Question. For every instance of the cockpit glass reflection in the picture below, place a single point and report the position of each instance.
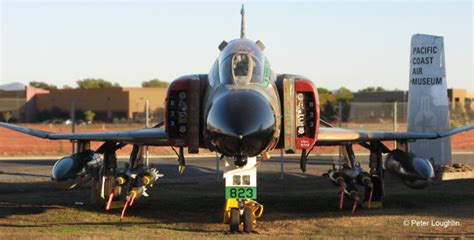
(240, 63)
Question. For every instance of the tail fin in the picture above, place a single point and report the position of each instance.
(428, 107)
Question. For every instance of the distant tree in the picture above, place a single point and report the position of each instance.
(43, 85)
(323, 90)
(344, 95)
(326, 104)
(89, 116)
(380, 89)
(367, 89)
(67, 87)
(89, 83)
(155, 83)
(7, 116)
(325, 96)
(372, 89)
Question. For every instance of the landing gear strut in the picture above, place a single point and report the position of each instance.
(351, 174)
(376, 174)
(103, 180)
(181, 160)
(112, 186)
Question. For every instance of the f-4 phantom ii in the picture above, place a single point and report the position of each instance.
(242, 110)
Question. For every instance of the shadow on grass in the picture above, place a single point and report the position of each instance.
(108, 224)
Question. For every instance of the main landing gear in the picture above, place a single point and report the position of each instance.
(241, 211)
(112, 187)
(350, 175)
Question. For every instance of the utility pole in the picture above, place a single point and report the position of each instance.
(147, 125)
(395, 123)
(395, 116)
(73, 123)
(147, 114)
(340, 125)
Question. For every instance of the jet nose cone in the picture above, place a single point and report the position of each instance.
(241, 123)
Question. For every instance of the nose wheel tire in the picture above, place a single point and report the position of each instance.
(234, 222)
(248, 219)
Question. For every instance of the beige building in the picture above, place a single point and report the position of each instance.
(106, 103)
(462, 97)
(20, 103)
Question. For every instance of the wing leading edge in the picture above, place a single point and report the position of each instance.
(149, 136)
(340, 136)
(157, 136)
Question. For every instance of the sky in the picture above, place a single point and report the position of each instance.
(354, 44)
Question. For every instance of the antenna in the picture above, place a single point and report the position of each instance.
(242, 22)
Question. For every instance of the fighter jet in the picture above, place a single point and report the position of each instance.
(242, 109)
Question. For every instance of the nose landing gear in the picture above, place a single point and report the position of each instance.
(241, 211)
(242, 214)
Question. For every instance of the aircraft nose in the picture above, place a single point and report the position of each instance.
(241, 123)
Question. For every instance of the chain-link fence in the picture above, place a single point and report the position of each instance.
(387, 116)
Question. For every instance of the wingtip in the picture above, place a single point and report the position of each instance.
(456, 130)
(29, 131)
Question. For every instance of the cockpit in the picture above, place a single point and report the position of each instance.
(241, 62)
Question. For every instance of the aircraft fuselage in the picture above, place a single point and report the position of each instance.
(242, 113)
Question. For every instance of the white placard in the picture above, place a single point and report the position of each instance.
(250, 169)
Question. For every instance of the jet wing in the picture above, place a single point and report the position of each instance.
(148, 136)
(340, 136)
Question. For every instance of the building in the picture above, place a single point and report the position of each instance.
(461, 97)
(107, 103)
(20, 103)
